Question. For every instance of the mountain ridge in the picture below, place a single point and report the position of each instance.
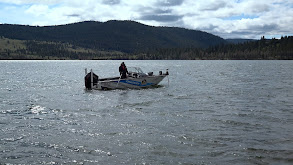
(124, 36)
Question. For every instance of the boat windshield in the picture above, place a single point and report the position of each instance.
(135, 70)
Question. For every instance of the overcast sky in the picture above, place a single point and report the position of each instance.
(224, 18)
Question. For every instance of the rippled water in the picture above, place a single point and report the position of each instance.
(212, 112)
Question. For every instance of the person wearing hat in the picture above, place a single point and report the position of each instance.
(123, 70)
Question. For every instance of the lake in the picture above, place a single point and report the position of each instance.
(210, 112)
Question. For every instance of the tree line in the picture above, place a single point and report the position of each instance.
(263, 49)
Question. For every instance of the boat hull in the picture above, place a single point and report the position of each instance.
(130, 83)
(136, 79)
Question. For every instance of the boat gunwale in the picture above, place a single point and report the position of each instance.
(131, 78)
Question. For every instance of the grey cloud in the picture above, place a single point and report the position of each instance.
(153, 10)
(158, 14)
(161, 11)
(264, 28)
(252, 32)
(111, 2)
(169, 2)
(209, 27)
(257, 8)
(215, 6)
(73, 15)
(161, 18)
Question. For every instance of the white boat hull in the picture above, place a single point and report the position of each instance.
(132, 83)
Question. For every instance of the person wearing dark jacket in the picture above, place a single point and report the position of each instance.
(123, 70)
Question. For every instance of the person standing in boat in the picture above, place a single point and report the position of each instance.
(123, 70)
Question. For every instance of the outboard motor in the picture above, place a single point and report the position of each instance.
(167, 72)
(87, 80)
(151, 73)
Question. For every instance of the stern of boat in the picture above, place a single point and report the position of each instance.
(90, 79)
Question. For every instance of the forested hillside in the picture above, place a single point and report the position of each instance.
(124, 36)
(132, 40)
(30, 49)
(281, 49)
(264, 49)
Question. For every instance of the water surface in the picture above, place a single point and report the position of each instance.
(210, 112)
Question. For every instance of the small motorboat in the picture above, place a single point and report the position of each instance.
(136, 79)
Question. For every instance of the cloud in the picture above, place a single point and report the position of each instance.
(161, 18)
(158, 14)
(38, 10)
(74, 15)
(169, 2)
(226, 18)
(243, 19)
(25, 2)
(111, 2)
(264, 27)
(215, 5)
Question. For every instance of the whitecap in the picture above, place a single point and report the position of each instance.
(37, 109)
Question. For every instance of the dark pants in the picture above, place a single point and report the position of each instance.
(123, 75)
